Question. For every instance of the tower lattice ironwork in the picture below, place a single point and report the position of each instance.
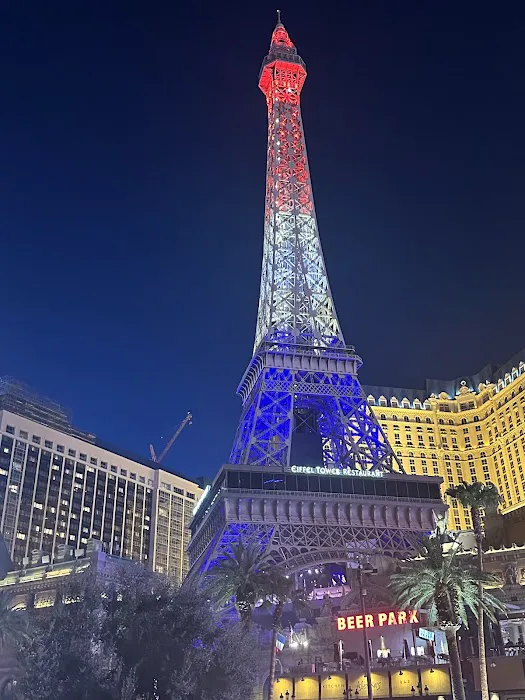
(307, 437)
(302, 401)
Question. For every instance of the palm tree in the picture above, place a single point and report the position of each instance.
(240, 575)
(13, 623)
(447, 588)
(478, 496)
(280, 589)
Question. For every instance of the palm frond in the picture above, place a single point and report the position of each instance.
(475, 495)
(445, 586)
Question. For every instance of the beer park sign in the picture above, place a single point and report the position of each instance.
(378, 619)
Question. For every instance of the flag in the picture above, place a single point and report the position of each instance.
(280, 641)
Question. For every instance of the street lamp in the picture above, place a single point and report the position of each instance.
(368, 569)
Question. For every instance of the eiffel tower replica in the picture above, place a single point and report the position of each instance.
(311, 473)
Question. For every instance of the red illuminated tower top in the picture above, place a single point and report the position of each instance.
(295, 303)
(283, 71)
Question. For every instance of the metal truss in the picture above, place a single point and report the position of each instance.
(296, 547)
(295, 297)
(296, 318)
(337, 408)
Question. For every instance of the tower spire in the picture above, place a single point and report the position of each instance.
(295, 299)
(278, 16)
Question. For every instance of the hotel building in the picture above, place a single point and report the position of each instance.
(60, 487)
(468, 429)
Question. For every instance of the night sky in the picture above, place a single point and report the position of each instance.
(132, 142)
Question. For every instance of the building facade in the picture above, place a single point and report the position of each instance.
(468, 429)
(60, 487)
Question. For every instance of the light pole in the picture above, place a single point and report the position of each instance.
(362, 593)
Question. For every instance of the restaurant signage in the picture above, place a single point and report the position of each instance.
(335, 471)
(379, 619)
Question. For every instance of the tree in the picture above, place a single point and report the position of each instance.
(280, 589)
(447, 588)
(239, 575)
(13, 623)
(478, 496)
(137, 637)
(172, 642)
(63, 656)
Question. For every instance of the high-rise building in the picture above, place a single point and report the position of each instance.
(60, 487)
(311, 472)
(467, 429)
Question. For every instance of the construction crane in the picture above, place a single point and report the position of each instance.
(183, 424)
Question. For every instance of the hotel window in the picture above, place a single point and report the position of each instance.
(92, 460)
(124, 472)
(190, 495)
(104, 465)
(113, 469)
(72, 453)
(10, 429)
(23, 434)
(82, 457)
(60, 448)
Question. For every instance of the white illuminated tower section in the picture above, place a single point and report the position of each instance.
(302, 401)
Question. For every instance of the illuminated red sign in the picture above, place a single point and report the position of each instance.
(380, 619)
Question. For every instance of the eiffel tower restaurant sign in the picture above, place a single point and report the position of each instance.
(379, 619)
(334, 471)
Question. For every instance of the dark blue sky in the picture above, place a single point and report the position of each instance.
(132, 141)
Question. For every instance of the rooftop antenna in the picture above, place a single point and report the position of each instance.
(278, 16)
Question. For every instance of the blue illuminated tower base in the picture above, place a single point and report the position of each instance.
(303, 405)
